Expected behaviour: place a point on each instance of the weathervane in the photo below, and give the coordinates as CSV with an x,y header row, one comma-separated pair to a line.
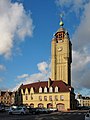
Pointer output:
x,y
61,20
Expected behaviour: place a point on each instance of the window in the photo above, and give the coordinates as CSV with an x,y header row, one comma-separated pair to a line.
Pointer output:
x,y
56,98
32,105
40,105
40,98
62,97
45,98
26,97
31,96
56,89
50,89
45,89
7,97
40,90
50,98
60,36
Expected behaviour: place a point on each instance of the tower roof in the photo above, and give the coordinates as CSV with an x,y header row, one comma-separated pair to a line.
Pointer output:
x,y
61,29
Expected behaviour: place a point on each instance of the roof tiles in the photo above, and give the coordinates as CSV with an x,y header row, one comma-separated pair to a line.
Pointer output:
x,y
63,87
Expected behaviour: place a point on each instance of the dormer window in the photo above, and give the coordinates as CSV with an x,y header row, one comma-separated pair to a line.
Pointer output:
x,y
40,90
45,89
50,89
56,89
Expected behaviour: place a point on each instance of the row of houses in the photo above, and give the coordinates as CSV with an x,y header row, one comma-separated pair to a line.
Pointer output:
x,y
83,101
9,98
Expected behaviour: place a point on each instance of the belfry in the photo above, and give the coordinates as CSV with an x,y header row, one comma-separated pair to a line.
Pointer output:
x,y
61,56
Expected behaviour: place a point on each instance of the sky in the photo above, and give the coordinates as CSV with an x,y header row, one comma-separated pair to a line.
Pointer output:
x,y
26,32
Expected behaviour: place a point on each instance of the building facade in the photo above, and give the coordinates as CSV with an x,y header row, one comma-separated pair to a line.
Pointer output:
x,y
57,91
7,98
49,94
83,101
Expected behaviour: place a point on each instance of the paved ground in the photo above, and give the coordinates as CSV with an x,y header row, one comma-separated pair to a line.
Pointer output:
x,y
76,115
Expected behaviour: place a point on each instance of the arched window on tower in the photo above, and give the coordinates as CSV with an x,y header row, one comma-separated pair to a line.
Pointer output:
x,y
60,36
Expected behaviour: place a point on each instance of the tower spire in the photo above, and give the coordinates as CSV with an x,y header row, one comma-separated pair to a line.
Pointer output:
x,y
61,20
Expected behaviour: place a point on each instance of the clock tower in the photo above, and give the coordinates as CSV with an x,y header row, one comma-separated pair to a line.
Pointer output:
x,y
61,56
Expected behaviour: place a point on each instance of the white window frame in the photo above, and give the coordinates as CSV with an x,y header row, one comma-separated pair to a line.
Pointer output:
x,y
56,89
62,97
40,90
45,89
50,89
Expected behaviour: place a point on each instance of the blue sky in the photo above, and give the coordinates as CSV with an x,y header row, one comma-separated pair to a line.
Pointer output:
x,y
27,28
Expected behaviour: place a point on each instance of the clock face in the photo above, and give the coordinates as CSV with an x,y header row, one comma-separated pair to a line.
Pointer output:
x,y
60,48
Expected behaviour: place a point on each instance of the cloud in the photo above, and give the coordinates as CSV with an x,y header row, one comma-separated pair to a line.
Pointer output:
x,y
43,67
80,60
15,25
81,52
71,5
2,67
80,70
80,41
43,75
81,37
22,76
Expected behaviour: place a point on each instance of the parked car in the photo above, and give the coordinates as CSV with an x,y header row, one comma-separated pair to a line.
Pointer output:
x,y
42,110
87,116
33,110
38,110
18,110
52,109
7,108
2,108
83,108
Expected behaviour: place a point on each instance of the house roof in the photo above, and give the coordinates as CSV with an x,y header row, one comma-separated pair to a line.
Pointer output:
x,y
6,92
63,87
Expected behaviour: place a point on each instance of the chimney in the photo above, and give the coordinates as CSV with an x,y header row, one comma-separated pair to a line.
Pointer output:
x,y
49,82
